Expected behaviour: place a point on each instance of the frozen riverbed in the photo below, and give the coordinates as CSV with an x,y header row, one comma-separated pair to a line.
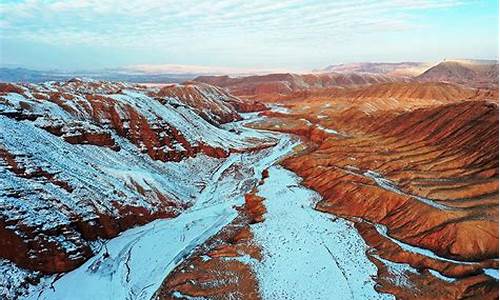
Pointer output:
x,y
134,264
308,254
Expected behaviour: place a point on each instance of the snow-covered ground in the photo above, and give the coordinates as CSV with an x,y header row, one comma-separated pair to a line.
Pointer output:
x,y
308,254
134,264
279,108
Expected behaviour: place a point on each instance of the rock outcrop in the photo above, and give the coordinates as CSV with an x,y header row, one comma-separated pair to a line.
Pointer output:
x,y
212,103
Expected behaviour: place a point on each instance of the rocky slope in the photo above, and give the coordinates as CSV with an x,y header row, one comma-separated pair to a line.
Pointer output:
x,y
420,181
397,194
273,85
478,73
83,160
206,99
408,91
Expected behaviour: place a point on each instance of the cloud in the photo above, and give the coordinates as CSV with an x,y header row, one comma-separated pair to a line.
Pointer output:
x,y
133,22
222,30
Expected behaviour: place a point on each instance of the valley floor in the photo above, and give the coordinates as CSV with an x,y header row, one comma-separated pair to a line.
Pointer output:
x,y
306,253
302,253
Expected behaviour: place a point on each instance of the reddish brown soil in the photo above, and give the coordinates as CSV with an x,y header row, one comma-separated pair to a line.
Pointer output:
x,y
409,91
469,73
273,86
440,147
214,271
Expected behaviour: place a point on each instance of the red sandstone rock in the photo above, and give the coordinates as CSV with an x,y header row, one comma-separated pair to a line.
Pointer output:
x,y
443,146
63,187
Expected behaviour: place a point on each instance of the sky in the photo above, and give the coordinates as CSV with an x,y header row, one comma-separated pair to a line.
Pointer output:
x,y
240,34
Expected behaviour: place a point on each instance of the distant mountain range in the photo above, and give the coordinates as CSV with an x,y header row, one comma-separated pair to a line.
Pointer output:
x,y
162,73
392,69
35,76
479,73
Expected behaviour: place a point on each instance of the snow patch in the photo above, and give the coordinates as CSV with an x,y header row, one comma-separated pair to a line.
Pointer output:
x,y
390,186
382,230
